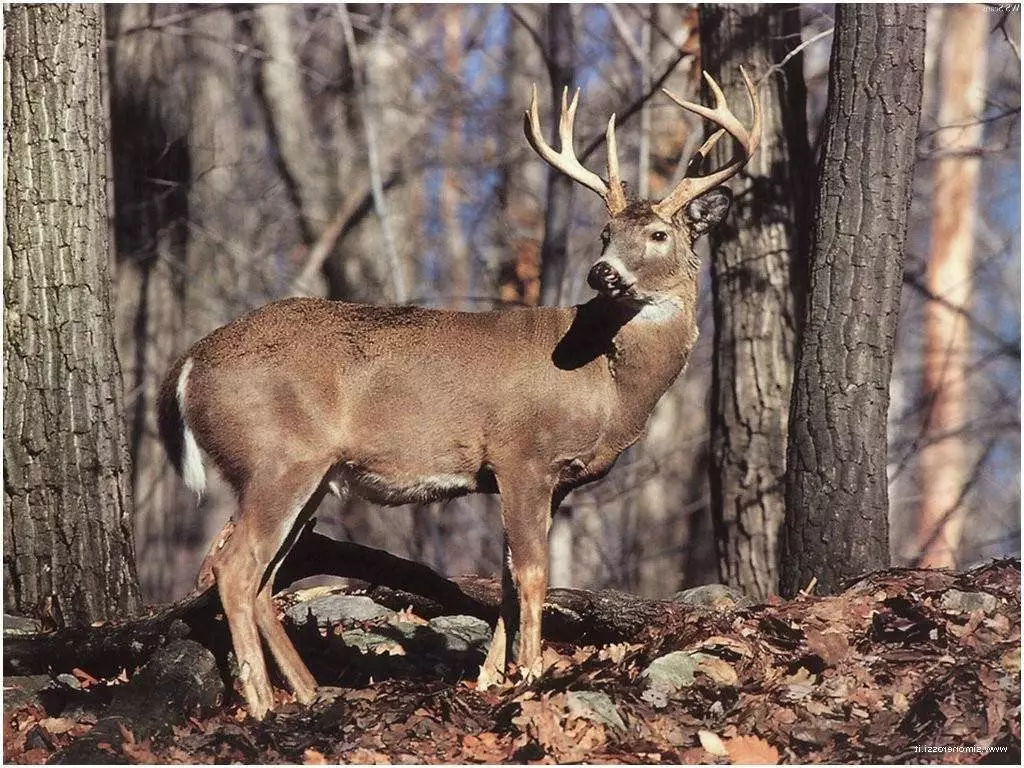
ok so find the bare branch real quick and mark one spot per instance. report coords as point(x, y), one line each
point(785, 59)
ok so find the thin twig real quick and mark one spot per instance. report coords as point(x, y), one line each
point(632, 109)
point(1001, 26)
point(785, 59)
point(624, 32)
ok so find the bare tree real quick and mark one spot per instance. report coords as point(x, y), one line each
point(757, 268)
point(836, 484)
point(68, 550)
point(945, 456)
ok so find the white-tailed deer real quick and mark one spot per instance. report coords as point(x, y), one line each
point(403, 404)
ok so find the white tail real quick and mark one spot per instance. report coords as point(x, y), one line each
point(192, 470)
point(403, 404)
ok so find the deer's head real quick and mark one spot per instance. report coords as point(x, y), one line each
point(647, 249)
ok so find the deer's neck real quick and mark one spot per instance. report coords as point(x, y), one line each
point(648, 354)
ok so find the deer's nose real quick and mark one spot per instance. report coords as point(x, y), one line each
point(604, 277)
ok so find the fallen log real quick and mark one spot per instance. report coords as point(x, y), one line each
point(570, 614)
point(180, 680)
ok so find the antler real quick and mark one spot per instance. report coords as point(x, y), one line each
point(692, 187)
point(565, 161)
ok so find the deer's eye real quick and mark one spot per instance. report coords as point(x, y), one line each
point(606, 236)
point(659, 236)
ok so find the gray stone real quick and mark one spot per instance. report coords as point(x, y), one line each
point(672, 671)
point(329, 610)
point(596, 707)
point(462, 633)
point(717, 596)
point(21, 625)
point(966, 602)
point(371, 642)
point(20, 690)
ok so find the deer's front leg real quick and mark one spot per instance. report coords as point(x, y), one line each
point(526, 515)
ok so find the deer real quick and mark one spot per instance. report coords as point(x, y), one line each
point(400, 404)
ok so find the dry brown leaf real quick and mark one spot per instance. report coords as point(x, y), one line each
point(553, 660)
point(362, 756)
point(84, 677)
point(729, 643)
point(832, 647)
point(712, 744)
point(484, 748)
point(718, 670)
point(751, 750)
point(57, 725)
point(617, 652)
point(313, 757)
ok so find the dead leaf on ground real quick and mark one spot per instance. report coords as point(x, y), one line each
point(313, 757)
point(751, 750)
point(712, 744)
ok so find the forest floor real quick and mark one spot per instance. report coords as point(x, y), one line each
point(905, 666)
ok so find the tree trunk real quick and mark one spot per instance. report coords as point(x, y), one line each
point(756, 261)
point(68, 550)
point(836, 486)
point(944, 457)
point(558, 207)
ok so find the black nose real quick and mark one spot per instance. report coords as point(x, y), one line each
point(602, 277)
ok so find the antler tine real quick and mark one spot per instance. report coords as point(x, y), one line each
point(616, 200)
point(565, 160)
point(692, 187)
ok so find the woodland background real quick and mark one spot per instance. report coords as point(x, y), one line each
point(375, 153)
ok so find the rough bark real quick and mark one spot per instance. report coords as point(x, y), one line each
point(68, 550)
point(836, 486)
point(944, 458)
point(758, 259)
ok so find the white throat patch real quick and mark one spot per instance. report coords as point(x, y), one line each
point(658, 311)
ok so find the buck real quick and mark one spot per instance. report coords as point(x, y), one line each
point(403, 404)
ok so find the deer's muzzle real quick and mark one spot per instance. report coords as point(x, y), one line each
point(605, 278)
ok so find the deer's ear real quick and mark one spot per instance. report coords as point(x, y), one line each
point(708, 211)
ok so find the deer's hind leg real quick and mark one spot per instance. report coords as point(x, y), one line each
point(270, 510)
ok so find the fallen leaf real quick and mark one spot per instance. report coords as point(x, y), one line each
point(751, 750)
point(84, 677)
point(718, 670)
point(363, 756)
point(484, 748)
point(56, 725)
point(313, 757)
point(712, 744)
point(832, 647)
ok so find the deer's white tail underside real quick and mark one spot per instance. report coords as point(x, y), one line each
point(192, 470)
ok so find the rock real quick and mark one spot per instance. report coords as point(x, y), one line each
point(372, 642)
point(20, 690)
point(462, 634)
point(673, 671)
point(329, 610)
point(966, 602)
point(21, 625)
point(70, 681)
point(717, 596)
point(596, 707)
